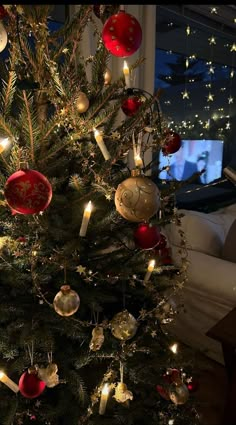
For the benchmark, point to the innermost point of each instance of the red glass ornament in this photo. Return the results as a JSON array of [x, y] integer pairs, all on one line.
[[28, 192], [122, 34], [193, 385], [162, 242], [172, 375], [30, 385], [172, 143], [146, 236], [3, 12], [163, 392], [22, 239], [131, 105], [165, 256]]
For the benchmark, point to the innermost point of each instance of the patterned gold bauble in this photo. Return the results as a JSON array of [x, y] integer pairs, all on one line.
[[137, 198], [178, 393], [107, 77], [66, 301], [124, 325], [82, 103]]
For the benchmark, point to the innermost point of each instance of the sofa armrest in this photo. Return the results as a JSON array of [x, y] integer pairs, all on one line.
[[214, 276]]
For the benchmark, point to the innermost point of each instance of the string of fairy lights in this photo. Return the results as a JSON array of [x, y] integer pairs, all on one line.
[[213, 111]]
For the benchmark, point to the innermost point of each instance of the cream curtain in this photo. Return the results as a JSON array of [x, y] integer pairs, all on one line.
[[145, 75]]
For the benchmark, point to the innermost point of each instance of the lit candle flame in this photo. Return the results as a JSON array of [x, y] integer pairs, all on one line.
[[3, 144], [151, 265], [174, 348], [126, 74]]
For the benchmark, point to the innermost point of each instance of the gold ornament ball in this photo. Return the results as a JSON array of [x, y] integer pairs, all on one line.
[[178, 393], [82, 103], [137, 198], [66, 301], [124, 325], [107, 77]]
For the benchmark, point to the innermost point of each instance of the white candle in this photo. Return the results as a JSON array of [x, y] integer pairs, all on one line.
[[138, 161], [101, 144], [150, 269], [3, 144], [7, 381], [103, 399], [126, 75], [86, 218]]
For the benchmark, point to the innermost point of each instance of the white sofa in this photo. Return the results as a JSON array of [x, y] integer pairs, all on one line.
[[210, 292]]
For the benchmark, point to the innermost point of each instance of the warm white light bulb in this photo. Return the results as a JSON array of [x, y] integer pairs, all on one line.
[[3, 144], [174, 348]]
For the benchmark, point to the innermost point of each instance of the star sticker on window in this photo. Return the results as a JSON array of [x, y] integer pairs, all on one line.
[[227, 126], [233, 47], [212, 40], [185, 94], [214, 10], [230, 99], [211, 70], [210, 97]]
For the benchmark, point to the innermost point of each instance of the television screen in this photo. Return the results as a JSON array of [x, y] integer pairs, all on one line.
[[193, 156]]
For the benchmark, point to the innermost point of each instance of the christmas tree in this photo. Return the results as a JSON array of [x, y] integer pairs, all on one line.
[[86, 269]]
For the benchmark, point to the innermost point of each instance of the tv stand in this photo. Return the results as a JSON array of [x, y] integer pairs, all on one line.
[[206, 198]]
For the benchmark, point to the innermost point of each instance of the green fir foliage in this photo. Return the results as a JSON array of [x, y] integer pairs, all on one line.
[[40, 83]]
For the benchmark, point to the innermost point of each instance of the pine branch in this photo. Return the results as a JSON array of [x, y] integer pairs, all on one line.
[[29, 53], [55, 77], [8, 92], [72, 31], [30, 128], [105, 97], [8, 129]]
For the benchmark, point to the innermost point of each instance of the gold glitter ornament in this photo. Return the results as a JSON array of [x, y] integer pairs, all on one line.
[[66, 301], [137, 198], [97, 338], [178, 393], [82, 102], [124, 325], [122, 394], [49, 375], [107, 77]]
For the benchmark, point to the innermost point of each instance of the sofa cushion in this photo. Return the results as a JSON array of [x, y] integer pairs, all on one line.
[[203, 232], [229, 247]]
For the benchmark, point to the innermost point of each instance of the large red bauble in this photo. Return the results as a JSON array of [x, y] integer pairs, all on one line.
[[30, 385], [131, 105], [28, 192], [172, 143], [146, 236], [122, 34]]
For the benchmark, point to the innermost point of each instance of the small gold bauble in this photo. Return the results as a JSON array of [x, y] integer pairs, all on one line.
[[178, 393], [124, 326], [107, 77], [137, 198], [66, 301], [82, 103]]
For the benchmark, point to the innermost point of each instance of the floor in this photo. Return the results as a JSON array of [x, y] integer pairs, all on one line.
[[211, 391]]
